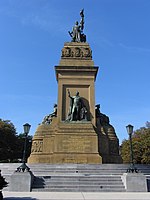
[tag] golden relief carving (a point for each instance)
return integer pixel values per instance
(80, 52)
(37, 146)
(87, 52)
(77, 52)
(66, 52)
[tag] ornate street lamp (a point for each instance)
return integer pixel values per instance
(23, 166)
(132, 168)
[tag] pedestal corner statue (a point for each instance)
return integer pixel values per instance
(76, 131)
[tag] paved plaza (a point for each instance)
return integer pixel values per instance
(75, 196)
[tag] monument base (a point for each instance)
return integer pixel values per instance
(66, 158)
(74, 142)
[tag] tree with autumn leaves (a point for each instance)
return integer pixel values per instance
(141, 146)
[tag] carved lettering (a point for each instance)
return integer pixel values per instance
(76, 144)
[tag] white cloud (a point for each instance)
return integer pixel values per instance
(34, 13)
(134, 49)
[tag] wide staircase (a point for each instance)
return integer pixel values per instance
(76, 177)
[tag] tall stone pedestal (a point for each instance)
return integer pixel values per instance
(59, 139)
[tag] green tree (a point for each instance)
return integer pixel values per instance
(141, 147)
(12, 144)
(7, 140)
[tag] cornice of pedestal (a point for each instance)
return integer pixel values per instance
(76, 70)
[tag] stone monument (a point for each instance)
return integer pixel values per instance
(76, 131)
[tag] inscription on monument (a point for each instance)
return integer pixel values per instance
(76, 144)
(70, 159)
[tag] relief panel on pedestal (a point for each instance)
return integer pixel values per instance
(37, 146)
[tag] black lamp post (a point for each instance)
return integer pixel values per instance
(132, 168)
(23, 166)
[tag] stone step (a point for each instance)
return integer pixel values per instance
(58, 185)
(9, 166)
(88, 182)
(82, 180)
(65, 185)
(78, 183)
(94, 172)
(51, 174)
(79, 190)
(75, 177)
(48, 169)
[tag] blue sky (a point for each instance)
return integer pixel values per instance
(32, 34)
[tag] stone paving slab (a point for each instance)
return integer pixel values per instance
(75, 196)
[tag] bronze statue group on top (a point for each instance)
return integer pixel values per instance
(77, 34)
